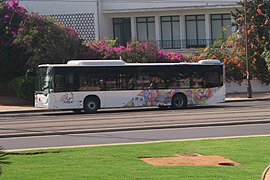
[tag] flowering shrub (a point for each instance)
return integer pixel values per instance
(12, 15)
(134, 52)
(170, 57)
(258, 14)
(230, 52)
(105, 49)
(28, 40)
(12, 58)
(46, 41)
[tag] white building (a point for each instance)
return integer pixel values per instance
(174, 24)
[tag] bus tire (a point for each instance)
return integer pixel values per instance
(179, 101)
(91, 105)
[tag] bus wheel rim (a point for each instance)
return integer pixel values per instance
(92, 105)
(178, 102)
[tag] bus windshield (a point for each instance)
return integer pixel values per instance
(44, 80)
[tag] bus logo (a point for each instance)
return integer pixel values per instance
(67, 98)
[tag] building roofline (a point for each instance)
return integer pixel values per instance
(170, 8)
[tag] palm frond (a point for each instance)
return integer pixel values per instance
(3, 159)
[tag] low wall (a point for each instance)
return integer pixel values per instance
(256, 85)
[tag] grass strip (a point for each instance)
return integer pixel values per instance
(122, 161)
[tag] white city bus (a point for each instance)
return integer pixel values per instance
(93, 84)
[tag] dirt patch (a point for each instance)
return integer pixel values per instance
(191, 160)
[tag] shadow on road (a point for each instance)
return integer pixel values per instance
(126, 110)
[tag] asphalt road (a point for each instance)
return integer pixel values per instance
(124, 126)
(140, 136)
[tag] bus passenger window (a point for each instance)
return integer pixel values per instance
(131, 83)
(60, 84)
(213, 79)
(197, 80)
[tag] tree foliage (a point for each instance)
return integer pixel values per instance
(258, 14)
(47, 41)
(233, 52)
(27, 40)
(230, 52)
(12, 60)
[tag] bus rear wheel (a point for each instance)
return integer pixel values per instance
(91, 105)
(179, 101)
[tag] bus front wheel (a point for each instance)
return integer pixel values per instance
(91, 105)
(179, 101)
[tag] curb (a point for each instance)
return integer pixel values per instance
(247, 99)
(48, 110)
(25, 111)
(266, 173)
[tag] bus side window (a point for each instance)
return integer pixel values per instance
(184, 80)
(131, 83)
(143, 81)
(91, 82)
(213, 79)
(72, 82)
(60, 84)
(197, 80)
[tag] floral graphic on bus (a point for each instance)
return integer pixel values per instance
(163, 97)
(139, 101)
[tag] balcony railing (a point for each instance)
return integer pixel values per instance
(181, 44)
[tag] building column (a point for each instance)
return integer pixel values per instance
(158, 30)
(208, 30)
(133, 28)
(233, 28)
(97, 21)
(182, 31)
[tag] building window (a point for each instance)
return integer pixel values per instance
(170, 32)
(195, 31)
(218, 22)
(122, 30)
(146, 28)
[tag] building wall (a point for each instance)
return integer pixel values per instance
(257, 86)
(93, 19)
(80, 15)
(129, 5)
(157, 15)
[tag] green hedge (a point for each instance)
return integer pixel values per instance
(24, 87)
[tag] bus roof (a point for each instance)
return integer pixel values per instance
(76, 63)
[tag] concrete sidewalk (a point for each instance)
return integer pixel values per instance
(13, 104)
(10, 104)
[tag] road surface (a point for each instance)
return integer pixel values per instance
(64, 128)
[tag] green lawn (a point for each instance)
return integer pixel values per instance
(121, 161)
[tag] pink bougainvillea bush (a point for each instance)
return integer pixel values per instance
(134, 51)
(12, 57)
(27, 40)
(12, 16)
